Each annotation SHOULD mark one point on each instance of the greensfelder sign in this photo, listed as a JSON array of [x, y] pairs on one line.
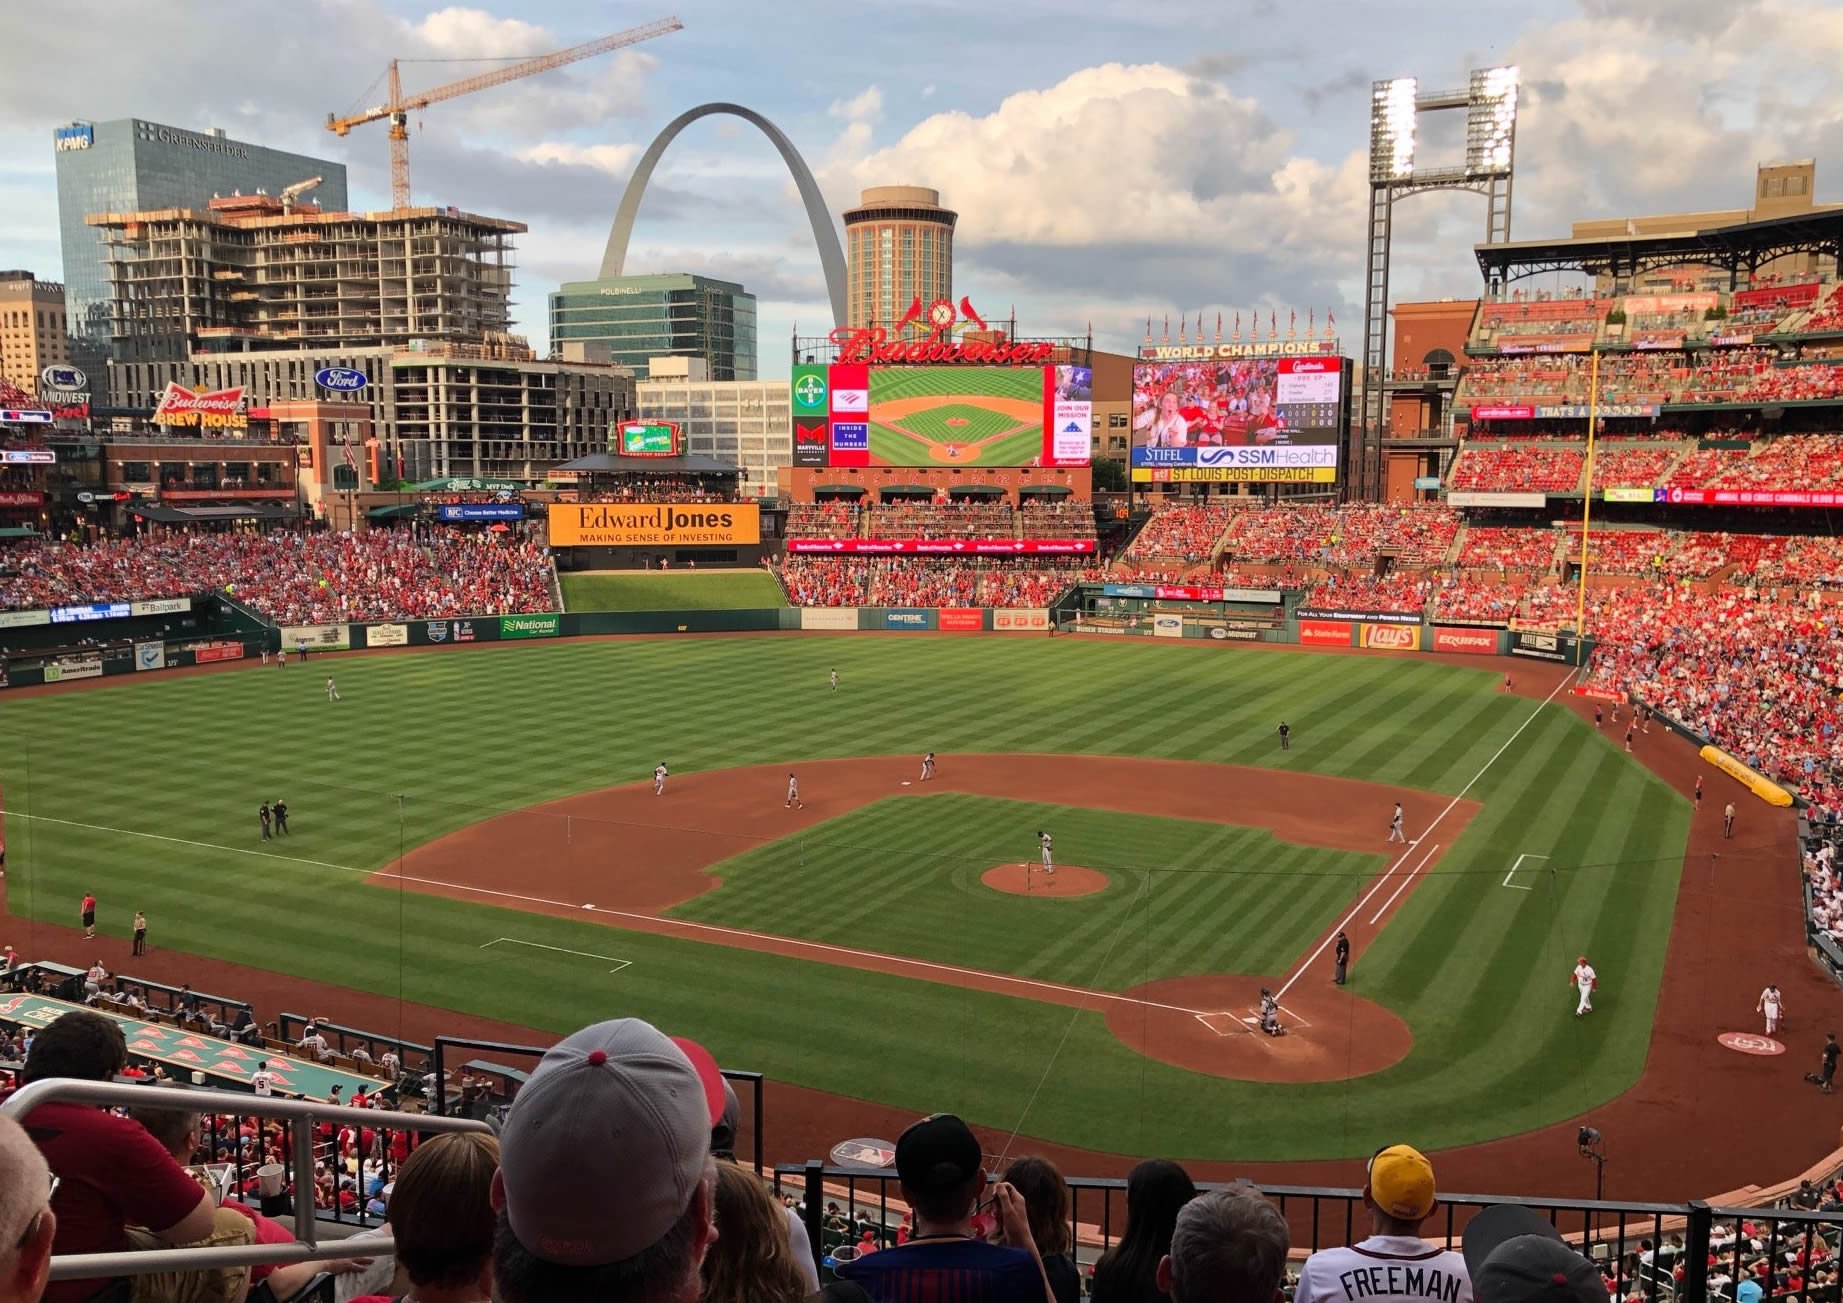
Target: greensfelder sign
[[529, 626]]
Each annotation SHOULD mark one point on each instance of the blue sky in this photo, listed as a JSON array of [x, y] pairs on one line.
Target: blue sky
[[1109, 160]]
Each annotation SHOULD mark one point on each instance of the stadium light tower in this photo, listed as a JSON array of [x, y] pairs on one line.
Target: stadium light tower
[[1490, 103]]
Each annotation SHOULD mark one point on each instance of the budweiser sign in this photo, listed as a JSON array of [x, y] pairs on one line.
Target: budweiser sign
[[217, 409], [873, 345]]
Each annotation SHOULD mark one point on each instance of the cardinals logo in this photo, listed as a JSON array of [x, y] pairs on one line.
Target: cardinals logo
[[941, 318]]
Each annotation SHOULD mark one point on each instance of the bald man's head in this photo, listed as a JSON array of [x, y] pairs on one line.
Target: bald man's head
[[26, 1221]]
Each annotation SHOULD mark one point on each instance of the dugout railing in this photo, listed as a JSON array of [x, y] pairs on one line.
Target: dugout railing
[[301, 1117], [1641, 1246]]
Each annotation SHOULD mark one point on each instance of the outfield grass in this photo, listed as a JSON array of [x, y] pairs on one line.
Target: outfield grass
[[146, 791], [671, 590]]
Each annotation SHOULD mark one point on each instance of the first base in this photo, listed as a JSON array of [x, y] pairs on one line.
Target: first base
[[905, 782]]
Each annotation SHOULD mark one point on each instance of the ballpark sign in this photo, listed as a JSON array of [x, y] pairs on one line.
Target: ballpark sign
[[666, 524], [216, 409]]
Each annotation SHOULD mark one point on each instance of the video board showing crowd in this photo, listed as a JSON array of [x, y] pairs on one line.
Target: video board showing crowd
[[1250, 419], [852, 414]]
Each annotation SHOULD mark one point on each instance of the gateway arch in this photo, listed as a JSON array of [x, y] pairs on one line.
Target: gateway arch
[[825, 235]]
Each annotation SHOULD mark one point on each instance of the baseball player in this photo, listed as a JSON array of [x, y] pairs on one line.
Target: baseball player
[[1395, 833], [1270, 1013], [659, 778], [281, 656], [1628, 739], [1043, 842], [1286, 736], [1727, 820], [927, 767], [1772, 1004], [332, 691], [835, 679], [793, 792], [1584, 981]]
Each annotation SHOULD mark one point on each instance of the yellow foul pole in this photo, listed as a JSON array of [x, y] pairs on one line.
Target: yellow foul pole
[[1593, 429]]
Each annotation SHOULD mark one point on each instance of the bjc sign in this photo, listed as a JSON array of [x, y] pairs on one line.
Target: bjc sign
[[1324, 633], [1477, 642]]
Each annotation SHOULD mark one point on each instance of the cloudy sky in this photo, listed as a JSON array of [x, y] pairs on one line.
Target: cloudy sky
[[1109, 160]]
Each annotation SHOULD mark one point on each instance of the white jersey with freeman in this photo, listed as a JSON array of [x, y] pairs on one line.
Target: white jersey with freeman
[[1384, 1267]]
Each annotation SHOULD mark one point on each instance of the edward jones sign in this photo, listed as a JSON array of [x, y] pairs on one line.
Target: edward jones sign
[[655, 524]]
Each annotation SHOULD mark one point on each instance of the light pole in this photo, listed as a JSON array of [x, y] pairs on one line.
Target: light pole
[[1592, 1146]]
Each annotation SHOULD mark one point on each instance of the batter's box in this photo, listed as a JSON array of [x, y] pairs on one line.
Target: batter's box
[[1222, 1022]]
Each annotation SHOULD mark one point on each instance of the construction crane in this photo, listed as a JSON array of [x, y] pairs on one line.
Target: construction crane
[[398, 107], [291, 193]]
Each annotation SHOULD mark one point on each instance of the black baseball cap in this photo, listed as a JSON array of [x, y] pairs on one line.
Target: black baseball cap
[[937, 1155], [1514, 1255]]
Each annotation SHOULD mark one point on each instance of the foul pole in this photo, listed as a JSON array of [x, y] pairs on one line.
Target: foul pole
[[1593, 429]]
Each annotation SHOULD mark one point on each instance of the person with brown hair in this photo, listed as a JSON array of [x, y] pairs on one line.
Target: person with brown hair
[[441, 1213], [1047, 1203], [751, 1261]]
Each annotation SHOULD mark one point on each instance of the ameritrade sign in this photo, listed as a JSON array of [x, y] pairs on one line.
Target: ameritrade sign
[[1749, 497], [66, 668], [317, 637], [937, 547], [218, 409], [529, 626], [691, 524]]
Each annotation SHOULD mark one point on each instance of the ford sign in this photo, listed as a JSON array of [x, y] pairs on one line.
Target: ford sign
[[64, 379], [340, 379]]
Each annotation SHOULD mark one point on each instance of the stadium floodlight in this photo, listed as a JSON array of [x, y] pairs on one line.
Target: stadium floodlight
[[1491, 121], [1391, 129]]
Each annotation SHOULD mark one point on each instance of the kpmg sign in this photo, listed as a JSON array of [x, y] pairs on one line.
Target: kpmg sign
[[341, 379], [73, 135]]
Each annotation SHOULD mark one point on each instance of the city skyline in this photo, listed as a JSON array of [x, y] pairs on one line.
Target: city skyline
[[1107, 162]]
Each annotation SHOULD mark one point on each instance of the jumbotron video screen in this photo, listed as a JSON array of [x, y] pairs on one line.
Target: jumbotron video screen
[[1255, 419]]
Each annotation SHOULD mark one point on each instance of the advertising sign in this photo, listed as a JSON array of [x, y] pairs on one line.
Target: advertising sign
[[1253, 419], [811, 413], [64, 379], [74, 136], [1629, 495], [26, 456], [1542, 646], [649, 439], [21, 498], [482, 511], [649, 524], [1608, 411], [1020, 619], [25, 416], [530, 626], [959, 416], [1502, 412], [942, 547], [341, 379], [1193, 593], [828, 617], [23, 619], [1168, 626], [387, 635], [905, 617], [1324, 633], [1069, 432], [1359, 617], [1749, 497], [149, 656], [1390, 637], [66, 668], [216, 409], [848, 397], [85, 612], [1497, 500], [1476, 642], [1426, 481], [161, 606], [217, 651], [961, 619], [1220, 352], [318, 637]]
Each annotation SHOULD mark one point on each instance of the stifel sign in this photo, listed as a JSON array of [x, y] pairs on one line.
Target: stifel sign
[[218, 409]]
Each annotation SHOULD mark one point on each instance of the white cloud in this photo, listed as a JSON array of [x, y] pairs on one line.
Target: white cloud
[[459, 33], [617, 160], [866, 106]]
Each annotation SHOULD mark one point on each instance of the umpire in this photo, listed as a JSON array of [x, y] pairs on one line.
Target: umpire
[[1822, 1077], [1285, 736]]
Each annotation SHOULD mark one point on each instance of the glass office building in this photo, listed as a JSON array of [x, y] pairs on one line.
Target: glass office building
[[128, 166], [672, 315]]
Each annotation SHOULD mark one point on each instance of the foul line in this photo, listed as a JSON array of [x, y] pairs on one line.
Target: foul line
[[1403, 886], [1513, 871], [1382, 881], [619, 964], [659, 923]]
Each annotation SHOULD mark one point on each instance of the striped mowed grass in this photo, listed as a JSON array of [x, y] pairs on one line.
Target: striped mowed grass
[[146, 792]]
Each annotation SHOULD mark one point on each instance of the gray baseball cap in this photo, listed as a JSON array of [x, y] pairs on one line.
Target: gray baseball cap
[[1514, 1255], [605, 1144]]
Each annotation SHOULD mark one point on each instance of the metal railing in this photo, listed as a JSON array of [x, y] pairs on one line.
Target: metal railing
[[1613, 1234], [301, 1116]]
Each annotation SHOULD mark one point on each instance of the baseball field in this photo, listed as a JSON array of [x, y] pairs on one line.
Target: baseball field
[[956, 416], [476, 830]]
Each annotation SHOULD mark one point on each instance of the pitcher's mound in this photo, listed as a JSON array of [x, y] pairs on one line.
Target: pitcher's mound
[[1209, 1024], [1031, 880]]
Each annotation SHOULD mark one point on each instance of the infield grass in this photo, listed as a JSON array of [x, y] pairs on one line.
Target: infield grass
[[671, 590], [146, 791]]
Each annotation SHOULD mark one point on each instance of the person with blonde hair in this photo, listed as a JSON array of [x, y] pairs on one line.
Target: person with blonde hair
[[751, 1261], [441, 1215], [27, 1223]]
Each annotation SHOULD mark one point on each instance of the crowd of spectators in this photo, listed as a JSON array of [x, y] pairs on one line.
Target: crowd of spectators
[[1522, 469], [1182, 533], [1056, 520], [666, 488], [292, 578], [1507, 548], [1743, 374], [1828, 315], [1790, 461], [1631, 468], [929, 581], [1622, 551], [940, 520], [1336, 536], [1458, 600], [1395, 591], [828, 520]]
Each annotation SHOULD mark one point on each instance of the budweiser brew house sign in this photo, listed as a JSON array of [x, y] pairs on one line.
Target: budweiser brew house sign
[[216, 409]]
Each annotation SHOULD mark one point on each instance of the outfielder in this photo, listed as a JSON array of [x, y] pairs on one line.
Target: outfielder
[[1395, 834], [927, 767], [1772, 1004], [793, 794], [332, 692], [659, 778], [1049, 862], [1584, 981], [835, 680]]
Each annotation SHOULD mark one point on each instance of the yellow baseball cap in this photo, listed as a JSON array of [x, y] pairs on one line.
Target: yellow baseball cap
[[1401, 1182]]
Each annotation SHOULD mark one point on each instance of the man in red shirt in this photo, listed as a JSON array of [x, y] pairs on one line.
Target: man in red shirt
[[87, 911], [112, 1175]]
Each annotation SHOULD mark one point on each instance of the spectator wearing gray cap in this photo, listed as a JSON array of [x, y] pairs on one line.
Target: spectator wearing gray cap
[[605, 1187], [27, 1224], [1514, 1256], [1229, 1246]]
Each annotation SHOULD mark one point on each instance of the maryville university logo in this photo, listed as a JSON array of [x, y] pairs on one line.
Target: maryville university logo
[[942, 322]]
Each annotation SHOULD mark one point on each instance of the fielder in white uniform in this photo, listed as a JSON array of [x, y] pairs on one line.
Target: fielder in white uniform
[[1772, 1004], [793, 794], [1584, 982], [927, 767], [1049, 862], [1395, 825], [659, 778], [835, 680], [332, 693]]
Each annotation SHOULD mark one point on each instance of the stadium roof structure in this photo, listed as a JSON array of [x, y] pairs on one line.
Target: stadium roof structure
[[608, 463], [1740, 248]]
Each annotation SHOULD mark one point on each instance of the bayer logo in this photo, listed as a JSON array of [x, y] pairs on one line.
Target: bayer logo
[[810, 390]]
